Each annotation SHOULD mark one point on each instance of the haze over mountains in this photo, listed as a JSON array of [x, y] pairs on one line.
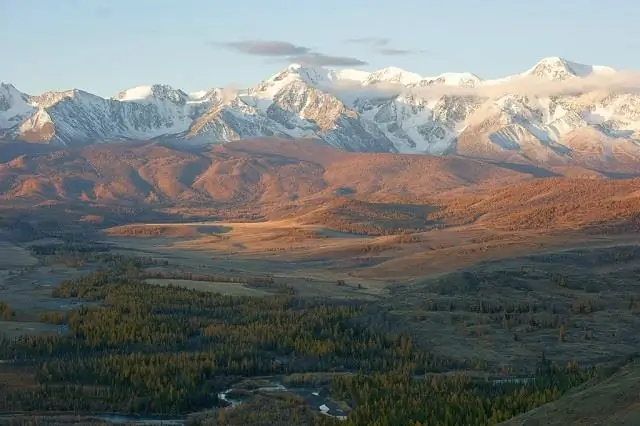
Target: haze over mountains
[[556, 113]]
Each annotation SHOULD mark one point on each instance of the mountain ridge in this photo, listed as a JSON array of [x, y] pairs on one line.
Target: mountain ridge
[[257, 173], [388, 110]]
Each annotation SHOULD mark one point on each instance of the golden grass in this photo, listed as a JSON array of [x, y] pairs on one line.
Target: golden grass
[[227, 288]]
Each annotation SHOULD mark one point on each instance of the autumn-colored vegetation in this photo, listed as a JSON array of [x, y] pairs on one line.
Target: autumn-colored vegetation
[[548, 204], [147, 349]]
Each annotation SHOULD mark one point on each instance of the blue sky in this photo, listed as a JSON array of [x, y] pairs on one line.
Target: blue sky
[[106, 46]]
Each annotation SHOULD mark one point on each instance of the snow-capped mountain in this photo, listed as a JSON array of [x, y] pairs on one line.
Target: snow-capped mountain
[[556, 111], [14, 106], [561, 69]]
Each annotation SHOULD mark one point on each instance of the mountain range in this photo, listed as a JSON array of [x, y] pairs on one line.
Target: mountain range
[[556, 113]]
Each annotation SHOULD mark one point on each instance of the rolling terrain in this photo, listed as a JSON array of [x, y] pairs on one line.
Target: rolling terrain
[[241, 174], [261, 175], [384, 216], [482, 263], [210, 217]]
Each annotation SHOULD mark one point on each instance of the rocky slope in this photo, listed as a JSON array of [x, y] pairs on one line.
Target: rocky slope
[[556, 113]]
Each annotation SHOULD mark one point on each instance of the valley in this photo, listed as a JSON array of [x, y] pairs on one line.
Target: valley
[[308, 252], [418, 280], [290, 262], [324, 214]]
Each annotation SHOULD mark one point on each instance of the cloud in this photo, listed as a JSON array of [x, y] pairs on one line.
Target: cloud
[[370, 41], [389, 51], [275, 49], [622, 81], [266, 48], [381, 46], [356, 89], [594, 87], [228, 93], [315, 59]]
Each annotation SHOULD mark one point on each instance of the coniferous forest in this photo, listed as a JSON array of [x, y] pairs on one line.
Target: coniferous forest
[[137, 348]]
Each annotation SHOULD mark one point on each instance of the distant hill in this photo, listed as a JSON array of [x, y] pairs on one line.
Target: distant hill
[[317, 184], [547, 204], [243, 173]]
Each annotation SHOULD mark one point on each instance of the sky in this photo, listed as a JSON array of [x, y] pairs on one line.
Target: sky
[[107, 46]]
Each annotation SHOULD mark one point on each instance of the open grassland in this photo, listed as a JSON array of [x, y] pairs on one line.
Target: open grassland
[[288, 248], [226, 288], [14, 257], [28, 289], [299, 255]]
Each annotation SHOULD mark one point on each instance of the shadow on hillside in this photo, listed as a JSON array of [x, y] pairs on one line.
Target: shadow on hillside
[[10, 150], [537, 172], [620, 176], [213, 229]]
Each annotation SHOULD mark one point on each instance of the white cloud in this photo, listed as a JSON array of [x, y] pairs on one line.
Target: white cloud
[[622, 81]]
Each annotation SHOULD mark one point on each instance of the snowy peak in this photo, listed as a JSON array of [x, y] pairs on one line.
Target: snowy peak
[[309, 75], [199, 95], [48, 99], [9, 93], [320, 77], [154, 92], [10, 97], [462, 79], [556, 68], [393, 75], [262, 95], [14, 106], [457, 79]]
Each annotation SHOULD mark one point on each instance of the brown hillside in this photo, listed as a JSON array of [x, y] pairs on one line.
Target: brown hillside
[[245, 173], [353, 192], [365, 218], [549, 204]]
